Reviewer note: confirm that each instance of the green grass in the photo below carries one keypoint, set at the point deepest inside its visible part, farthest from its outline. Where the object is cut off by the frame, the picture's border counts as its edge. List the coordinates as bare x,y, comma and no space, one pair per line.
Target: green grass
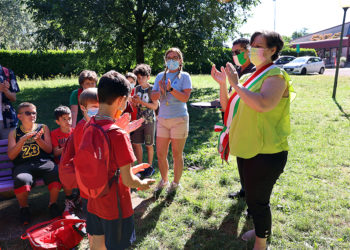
310,202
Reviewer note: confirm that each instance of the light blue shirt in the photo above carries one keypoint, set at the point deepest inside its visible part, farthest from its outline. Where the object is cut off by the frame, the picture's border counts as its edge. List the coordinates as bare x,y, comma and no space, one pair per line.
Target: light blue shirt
175,108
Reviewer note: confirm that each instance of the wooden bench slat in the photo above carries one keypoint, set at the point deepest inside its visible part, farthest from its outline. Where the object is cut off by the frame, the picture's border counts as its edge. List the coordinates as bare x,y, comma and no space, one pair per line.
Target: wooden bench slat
5,165
6,186
3,142
6,178
4,158
3,149
6,173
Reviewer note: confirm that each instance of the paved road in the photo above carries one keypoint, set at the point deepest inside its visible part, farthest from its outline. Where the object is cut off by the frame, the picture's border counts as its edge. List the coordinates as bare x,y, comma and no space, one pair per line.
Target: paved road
342,72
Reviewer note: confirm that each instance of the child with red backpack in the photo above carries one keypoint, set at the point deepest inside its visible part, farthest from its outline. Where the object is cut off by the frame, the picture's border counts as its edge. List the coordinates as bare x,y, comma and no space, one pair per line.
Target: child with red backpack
103,168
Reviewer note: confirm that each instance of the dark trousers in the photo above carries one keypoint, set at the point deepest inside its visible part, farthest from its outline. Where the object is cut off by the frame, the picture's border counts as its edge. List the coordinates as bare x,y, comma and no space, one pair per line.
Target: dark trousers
260,174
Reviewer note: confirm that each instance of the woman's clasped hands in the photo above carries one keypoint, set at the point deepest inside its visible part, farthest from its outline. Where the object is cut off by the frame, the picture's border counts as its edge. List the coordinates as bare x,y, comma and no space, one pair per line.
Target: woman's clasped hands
229,71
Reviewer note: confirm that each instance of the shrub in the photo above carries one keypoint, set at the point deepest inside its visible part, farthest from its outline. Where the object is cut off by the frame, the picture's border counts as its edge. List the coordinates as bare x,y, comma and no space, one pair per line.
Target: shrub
293,52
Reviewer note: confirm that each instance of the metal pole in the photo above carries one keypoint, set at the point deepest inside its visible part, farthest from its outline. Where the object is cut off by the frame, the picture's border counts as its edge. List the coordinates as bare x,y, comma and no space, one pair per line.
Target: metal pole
274,19
338,55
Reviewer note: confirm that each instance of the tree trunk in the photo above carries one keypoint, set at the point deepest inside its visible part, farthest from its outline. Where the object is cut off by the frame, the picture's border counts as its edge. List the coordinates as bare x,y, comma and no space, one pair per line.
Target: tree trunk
140,44
140,36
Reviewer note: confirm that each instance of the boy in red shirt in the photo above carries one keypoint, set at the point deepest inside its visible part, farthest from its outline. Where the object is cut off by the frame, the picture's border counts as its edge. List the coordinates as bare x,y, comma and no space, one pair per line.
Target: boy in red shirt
103,212
60,135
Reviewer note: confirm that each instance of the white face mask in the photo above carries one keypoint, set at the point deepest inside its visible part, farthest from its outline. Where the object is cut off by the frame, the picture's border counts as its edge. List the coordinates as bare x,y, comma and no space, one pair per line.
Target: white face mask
132,85
92,112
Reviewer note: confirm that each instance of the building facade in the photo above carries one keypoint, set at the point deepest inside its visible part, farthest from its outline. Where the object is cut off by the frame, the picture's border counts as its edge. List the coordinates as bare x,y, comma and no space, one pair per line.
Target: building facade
326,43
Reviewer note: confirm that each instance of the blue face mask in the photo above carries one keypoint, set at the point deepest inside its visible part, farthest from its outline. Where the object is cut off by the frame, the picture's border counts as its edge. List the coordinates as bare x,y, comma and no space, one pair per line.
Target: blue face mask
92,112
172,64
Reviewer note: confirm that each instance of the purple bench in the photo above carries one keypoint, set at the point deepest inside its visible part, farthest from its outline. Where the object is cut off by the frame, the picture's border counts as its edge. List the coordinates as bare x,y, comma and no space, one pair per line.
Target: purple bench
6,180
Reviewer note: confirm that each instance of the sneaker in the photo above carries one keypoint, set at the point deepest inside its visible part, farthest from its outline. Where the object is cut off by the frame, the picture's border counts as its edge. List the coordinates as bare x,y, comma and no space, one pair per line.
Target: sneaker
69,207
162,184
24,215
54,210
148,172
173,187
237,195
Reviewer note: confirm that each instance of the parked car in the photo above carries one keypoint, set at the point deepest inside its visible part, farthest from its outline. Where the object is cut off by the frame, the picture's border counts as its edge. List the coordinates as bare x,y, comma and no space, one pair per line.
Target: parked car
283,60
304,65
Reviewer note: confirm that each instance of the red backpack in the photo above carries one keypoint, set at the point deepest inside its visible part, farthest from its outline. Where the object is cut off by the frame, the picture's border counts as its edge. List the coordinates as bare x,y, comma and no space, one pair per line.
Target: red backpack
58,233
92,160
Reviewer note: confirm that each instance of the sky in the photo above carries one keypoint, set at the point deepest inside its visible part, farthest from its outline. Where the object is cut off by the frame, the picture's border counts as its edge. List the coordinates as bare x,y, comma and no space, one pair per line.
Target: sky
292,15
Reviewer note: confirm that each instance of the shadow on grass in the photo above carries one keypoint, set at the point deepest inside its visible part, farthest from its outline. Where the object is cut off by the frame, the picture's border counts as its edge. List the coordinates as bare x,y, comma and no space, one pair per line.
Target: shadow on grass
346,115
145,225
202,123
226,236
46,100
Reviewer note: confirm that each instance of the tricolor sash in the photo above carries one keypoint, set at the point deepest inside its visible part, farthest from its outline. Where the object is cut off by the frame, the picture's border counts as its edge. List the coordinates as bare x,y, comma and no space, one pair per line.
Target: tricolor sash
231,110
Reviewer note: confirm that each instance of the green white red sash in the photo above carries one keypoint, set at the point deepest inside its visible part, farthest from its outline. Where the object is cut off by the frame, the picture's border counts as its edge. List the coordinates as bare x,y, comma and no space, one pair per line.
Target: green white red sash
231,110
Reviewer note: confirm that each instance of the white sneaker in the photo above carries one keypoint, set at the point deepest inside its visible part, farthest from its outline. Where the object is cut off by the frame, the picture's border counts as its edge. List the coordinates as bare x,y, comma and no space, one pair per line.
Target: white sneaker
162,184
173,187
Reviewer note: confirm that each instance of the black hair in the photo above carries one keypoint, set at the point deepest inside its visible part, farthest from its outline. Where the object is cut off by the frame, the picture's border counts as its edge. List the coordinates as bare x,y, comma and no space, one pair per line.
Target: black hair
273,39
241,41
111,86
142,69
60,111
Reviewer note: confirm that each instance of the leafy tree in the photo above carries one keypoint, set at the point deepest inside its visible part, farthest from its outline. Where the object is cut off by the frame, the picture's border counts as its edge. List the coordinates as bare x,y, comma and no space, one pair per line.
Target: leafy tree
300,33
15,25
137,28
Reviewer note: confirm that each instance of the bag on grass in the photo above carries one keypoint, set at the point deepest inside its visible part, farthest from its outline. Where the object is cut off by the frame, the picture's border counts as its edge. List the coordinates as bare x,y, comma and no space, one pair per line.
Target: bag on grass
57,233
92,160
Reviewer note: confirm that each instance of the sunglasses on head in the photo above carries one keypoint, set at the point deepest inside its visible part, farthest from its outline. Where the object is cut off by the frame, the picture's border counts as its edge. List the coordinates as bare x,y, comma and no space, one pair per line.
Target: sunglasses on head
28,113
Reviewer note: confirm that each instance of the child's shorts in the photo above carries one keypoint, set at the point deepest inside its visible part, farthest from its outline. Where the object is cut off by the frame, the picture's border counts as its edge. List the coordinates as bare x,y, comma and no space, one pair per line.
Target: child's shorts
24,175
109,228
144,134
173,128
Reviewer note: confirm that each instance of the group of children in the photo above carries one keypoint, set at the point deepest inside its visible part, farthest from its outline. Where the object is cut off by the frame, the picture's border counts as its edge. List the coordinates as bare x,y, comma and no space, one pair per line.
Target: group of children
31,145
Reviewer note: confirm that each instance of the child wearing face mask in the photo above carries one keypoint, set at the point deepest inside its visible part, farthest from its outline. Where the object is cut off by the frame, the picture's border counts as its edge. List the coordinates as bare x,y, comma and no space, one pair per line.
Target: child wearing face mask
88,102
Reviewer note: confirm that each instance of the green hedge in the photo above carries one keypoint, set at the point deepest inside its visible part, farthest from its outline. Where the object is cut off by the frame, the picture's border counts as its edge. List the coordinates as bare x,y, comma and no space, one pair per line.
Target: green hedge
28,64
43,64
293,52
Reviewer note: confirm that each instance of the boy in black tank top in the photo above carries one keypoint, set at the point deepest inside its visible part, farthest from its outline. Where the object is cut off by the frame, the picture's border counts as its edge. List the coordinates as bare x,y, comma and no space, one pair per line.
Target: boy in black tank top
29,148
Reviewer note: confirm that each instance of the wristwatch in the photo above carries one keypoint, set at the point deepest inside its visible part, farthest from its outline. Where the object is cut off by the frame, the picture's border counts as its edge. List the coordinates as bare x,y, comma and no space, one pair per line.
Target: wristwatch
171,89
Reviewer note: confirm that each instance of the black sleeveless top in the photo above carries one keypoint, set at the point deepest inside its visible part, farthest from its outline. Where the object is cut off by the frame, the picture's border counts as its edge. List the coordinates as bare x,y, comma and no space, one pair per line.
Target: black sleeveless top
31,151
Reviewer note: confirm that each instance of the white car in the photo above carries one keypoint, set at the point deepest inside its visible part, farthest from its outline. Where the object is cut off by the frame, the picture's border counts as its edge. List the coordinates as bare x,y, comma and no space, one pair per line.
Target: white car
305,65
